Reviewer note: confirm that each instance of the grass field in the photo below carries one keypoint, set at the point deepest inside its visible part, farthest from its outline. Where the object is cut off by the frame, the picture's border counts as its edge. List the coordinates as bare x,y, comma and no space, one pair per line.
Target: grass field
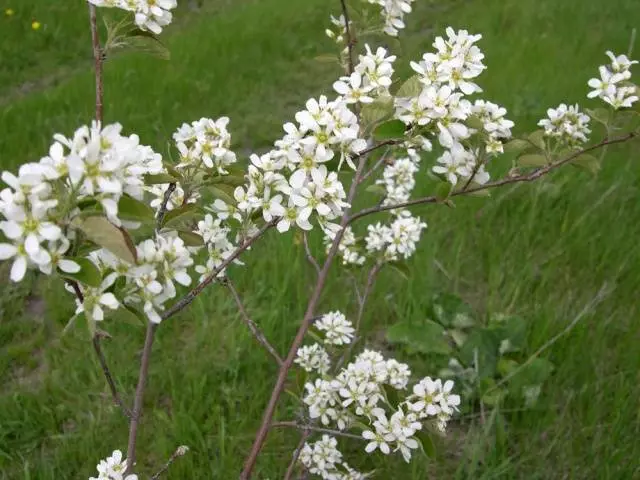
541,251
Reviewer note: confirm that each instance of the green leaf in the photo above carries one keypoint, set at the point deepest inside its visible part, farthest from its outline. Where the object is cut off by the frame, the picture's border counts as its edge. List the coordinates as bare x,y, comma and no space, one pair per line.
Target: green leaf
482,344
463,320
475,122
220,191
536,372
401,268
600,115
443,191
511,330
458,336
423,337
327,58
159,178
411,88
389,130
538,140
516,146
587,162
532,160
506,366
376,112
104,233
377,189
130,315
89,274
146,42
191,239
446,307
131,209
180,216
230,180
427,445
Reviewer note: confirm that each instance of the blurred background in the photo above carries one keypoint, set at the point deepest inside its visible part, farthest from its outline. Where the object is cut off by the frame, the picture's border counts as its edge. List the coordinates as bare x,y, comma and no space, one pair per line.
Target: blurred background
538,253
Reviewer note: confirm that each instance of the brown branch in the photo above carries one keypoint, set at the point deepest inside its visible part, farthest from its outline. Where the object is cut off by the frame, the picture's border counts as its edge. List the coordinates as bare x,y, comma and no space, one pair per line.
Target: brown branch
190,297
312,260
97,59
107,373
255,330
307,321
375,167
180,452
296,453
162,211
311,428
505,181
137,403
351,41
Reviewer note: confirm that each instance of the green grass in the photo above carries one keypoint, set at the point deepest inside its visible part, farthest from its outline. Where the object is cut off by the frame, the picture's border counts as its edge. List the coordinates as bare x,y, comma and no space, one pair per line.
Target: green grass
542,250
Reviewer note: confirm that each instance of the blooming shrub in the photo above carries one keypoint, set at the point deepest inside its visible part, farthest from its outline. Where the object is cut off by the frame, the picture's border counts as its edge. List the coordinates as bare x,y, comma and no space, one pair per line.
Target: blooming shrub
127,229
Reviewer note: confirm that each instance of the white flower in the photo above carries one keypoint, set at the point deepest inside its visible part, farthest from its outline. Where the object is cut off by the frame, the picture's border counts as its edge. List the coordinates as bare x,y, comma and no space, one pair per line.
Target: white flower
113,468
95,299
313,358
337,329
614,85
566,123
352,89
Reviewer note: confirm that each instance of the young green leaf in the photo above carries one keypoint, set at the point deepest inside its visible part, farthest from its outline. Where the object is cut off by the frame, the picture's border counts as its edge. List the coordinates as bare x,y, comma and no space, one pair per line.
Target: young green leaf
88,275
131,209
389,130
104,233
191,239
410,88
180,216
532,160
159,178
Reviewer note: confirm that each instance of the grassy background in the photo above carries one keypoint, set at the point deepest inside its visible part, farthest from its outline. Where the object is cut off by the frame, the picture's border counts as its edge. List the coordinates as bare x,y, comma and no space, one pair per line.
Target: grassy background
542,251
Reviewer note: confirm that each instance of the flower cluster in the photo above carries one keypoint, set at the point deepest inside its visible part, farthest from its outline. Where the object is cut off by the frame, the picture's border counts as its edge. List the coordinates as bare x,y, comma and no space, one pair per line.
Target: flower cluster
337,329
614,85
371,77
494,124
357,395
149,283
313,358
205,142
323,458
398,178
566,123
94,167
339,30
150,15
348,247
393,12
440,107
396,240
113,468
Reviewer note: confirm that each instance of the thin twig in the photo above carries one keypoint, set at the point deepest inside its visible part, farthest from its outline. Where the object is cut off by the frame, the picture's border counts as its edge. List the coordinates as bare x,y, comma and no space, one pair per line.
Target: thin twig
349,34
505,181
296,453
312,260
375,167
97,59
107,373
600,296
180,452
255,330
312,428
163,207
190,297
137,403
307,321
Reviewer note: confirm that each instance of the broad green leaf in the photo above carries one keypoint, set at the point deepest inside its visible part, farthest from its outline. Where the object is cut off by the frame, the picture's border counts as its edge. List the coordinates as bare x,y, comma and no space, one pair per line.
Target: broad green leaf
88,274
221,191
180,216
411,88
230,180
131,209
427,445
389,130
191,239
423,337
458,336
537,139
104,233
463,320
443,190
509,328
587,162
159,178
377,189
532,160
475,122
516,146
146,42
506,366
600,115
376,112
536,372
446,307
327,58
490,395
130,315
481,345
